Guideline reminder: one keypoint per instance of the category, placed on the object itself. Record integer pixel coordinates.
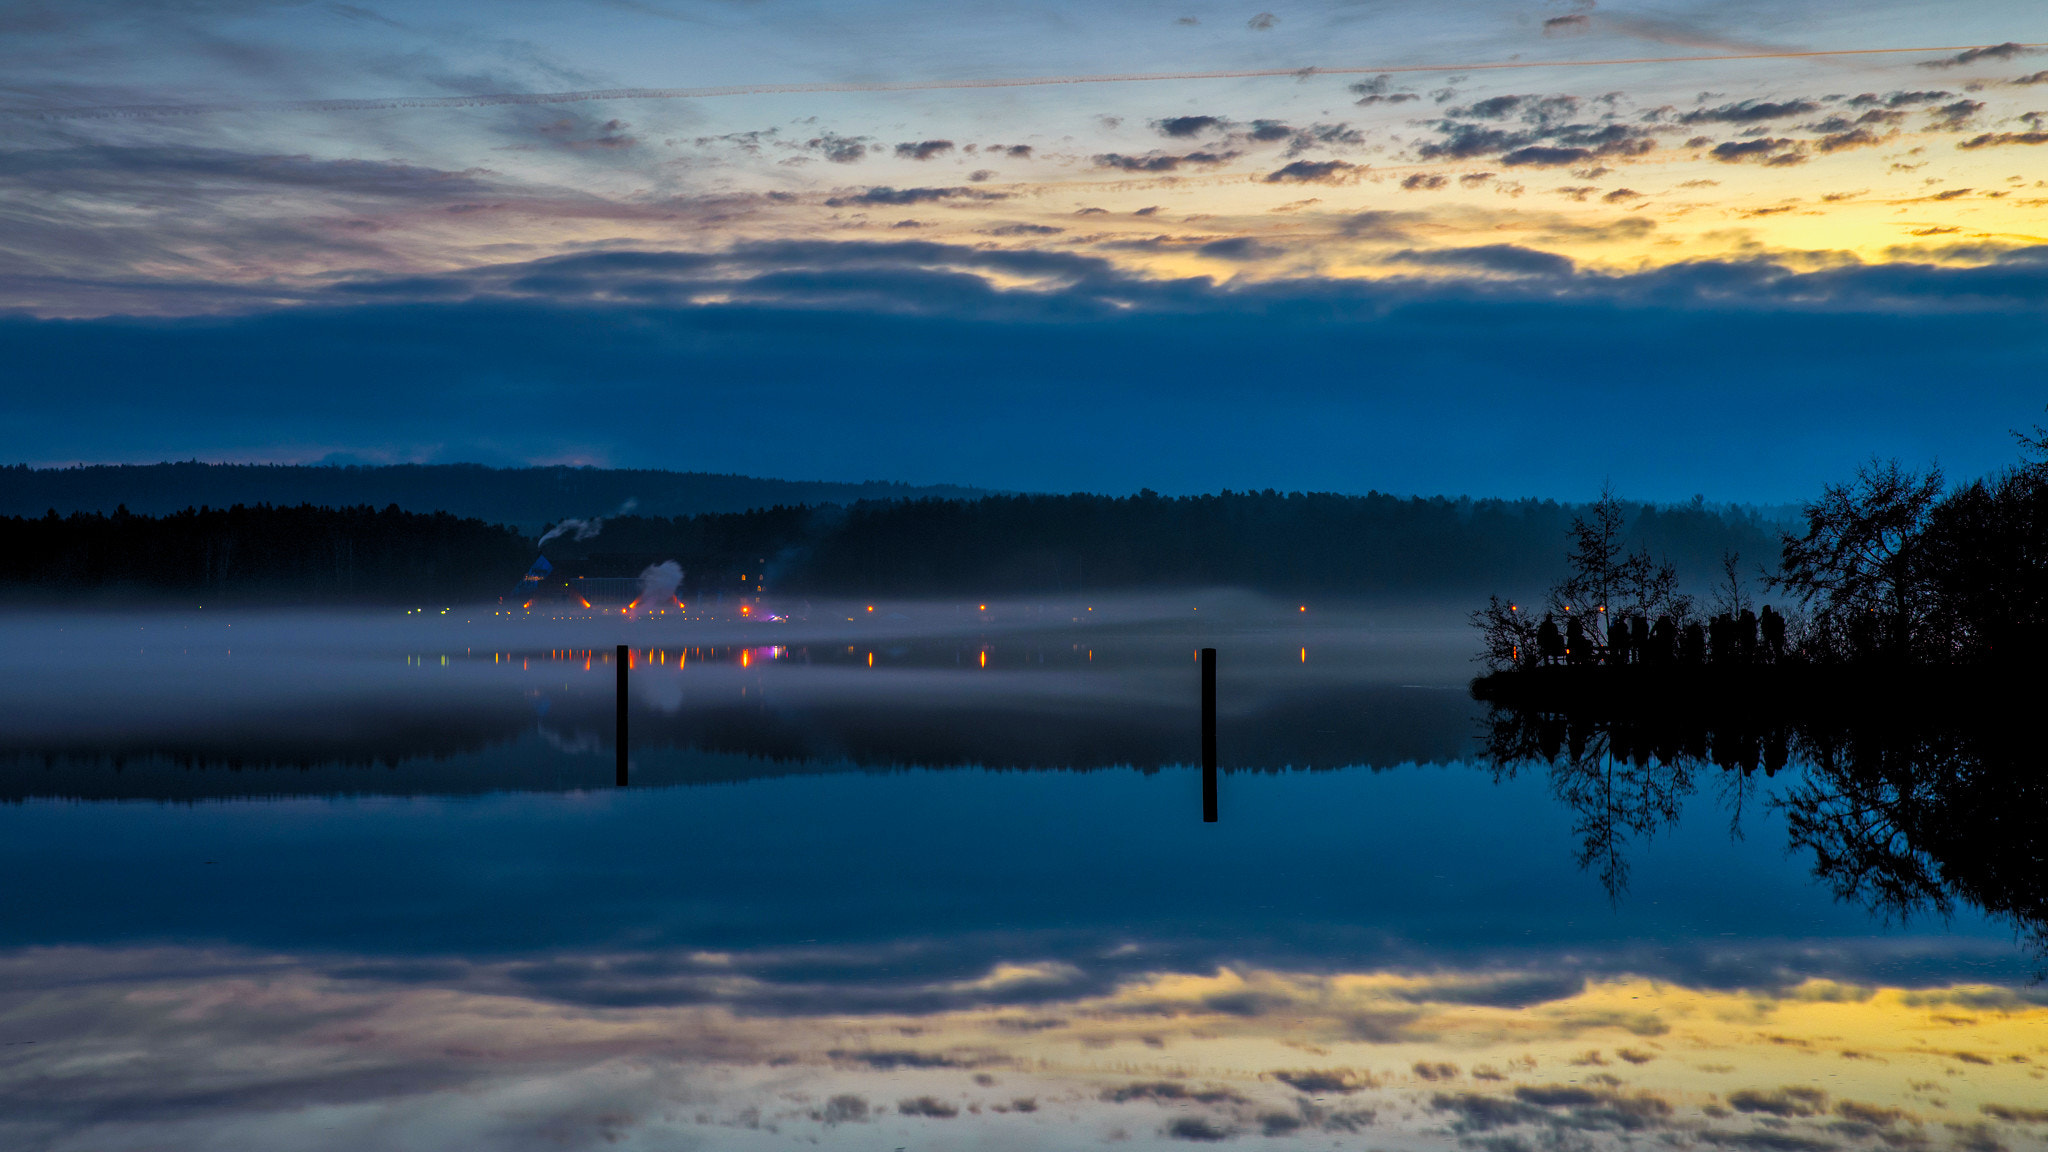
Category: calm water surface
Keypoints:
(936, 877)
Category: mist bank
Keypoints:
(528, 497)
(1279, 544)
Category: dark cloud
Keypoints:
(1567, 25)
(1423, 182)
(1310, 172)
(1952, 117)
(1843, 141)
(1999, 139)
(1545, 137)
(924, 149)
(929, 1106)
(1511, 990)
(839, 149)
(2033, 78)
(1184, 126)
(1492, 109)
(1512, 259)
(1874, 117)
(1546, 156)
(1622, 196)
(884, 195)
(587, 336)
(1897, 99)
(1749, 112)
(1262, 22)
(1266, 131)
(1477, 1112)
(2005, 51)
(1159, 161)
(111, 169)
(1378, 90)
(1768, 150)
(1022, 230)
(1236, 248)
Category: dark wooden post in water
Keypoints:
(1208, 735)
(624, 659)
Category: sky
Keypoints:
(1466, 246)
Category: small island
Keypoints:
(1898, 593)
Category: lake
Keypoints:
(935, 876)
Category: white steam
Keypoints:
(658, 582)
(585, 529)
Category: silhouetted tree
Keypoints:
(1860, 556)
(1605, 577)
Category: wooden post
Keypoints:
(625, 659)
(1208, 735)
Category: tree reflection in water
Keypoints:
(1904, 815)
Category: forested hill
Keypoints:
(528, 497)
(1282, 544)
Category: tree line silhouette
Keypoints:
(264, 553)
(527, 497)
(1891, 569)
(1291, 544)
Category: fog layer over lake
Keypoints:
(931, 875)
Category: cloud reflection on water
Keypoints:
(129, 1048)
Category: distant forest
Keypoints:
(527, 497)
(1285, 544)
(261, 554)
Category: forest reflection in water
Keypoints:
(1907, 815)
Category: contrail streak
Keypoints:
(488, 100)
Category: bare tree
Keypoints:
(1507, 634)
(1609, 580)
(1731, 596)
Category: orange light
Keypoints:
(871, 607)
(984, 659)
(871, 659)
(1304, 607)
(746, 658)
(1304, 655)
(984, 607)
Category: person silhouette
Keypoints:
(1692, 644)
(1549, 644)
(1664, 641)
(1576, 651)
(1618, 646)
(1772, 626)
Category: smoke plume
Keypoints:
(658, 582)
(585, 529)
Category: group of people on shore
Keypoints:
(1743, 637)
